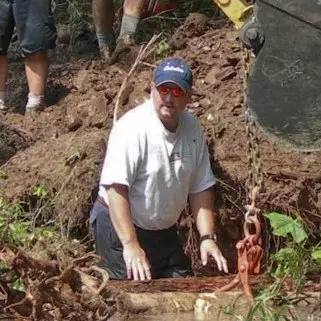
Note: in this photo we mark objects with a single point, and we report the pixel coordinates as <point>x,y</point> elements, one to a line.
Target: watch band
<point>208,237</point>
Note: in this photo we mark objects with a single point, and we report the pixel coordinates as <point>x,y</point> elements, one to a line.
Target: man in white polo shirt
<point>157,159</point>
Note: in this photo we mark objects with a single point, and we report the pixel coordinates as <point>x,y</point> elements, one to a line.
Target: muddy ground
<point>63,147</point>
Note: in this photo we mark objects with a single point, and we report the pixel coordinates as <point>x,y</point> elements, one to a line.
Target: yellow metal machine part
<point>236,10</point>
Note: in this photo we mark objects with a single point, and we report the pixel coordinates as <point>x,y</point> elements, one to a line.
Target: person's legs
<point>6,30</point>
<point>3,71</point>
<point>133,7</point>
<point>103,15</point>
<point>37,68</point>
<point>3,79</point>
<point>163,248</point>
<point>37,34</point>
<point>107,243</point>
<point>131,16</point>
<point>165,253</point>
<point>178,265</point>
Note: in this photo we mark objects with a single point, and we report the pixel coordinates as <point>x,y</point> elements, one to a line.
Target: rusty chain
<point>249,249</point>
<point>254,176</point>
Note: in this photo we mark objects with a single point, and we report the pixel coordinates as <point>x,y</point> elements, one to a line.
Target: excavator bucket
<point>284,84</point>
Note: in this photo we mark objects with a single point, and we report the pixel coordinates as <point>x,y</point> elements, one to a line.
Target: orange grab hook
<point>249,255</point>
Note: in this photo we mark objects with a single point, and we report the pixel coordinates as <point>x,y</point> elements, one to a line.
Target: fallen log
<point>186,285</point>
<point>200,304</point>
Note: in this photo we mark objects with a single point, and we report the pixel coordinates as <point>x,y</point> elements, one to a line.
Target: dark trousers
<point>163,248</point>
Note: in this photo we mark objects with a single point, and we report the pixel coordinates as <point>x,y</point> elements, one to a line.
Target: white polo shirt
<point>160,168</point>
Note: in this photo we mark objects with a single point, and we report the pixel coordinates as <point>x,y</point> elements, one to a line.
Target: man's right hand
<point>136,262</point>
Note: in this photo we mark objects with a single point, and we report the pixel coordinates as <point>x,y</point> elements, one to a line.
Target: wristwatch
<point>208,237</point>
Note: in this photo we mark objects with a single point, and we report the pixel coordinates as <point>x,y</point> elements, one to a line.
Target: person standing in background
<point>104,14</point>
<point>36,32</point>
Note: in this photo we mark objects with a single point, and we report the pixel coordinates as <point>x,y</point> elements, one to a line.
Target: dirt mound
<point>69,136</point>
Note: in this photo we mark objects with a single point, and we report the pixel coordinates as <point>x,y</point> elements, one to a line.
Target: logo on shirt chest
<point>176,156</point>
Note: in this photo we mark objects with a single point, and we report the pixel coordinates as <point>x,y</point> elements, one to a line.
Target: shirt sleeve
<point>203,177</point>
<point>122,157</point>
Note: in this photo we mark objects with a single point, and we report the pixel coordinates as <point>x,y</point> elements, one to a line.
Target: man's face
<point>169,101</point>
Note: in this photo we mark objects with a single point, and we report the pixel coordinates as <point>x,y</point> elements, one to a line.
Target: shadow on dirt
<point>55,92</point>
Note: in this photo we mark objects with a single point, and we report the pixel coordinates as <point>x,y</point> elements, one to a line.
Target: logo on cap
<point>174,70</point>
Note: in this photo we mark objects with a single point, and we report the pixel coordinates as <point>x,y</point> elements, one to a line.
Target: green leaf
<point>285,258</point>
<point>40,191</point>
<point>283,225</point>
<point>316,254</point>
<point>3,175</point>
<point>47,234</point>
<point>284,254</point>
<point>162,49</point>
<point>18,285</point>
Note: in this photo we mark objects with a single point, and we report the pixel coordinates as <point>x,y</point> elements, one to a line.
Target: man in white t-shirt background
<point>156,160</point>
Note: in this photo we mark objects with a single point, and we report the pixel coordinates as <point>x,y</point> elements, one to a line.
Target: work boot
<point>123,45</point>
<point>35,103</point>
<point>106,43</point>
<point>106,52</point>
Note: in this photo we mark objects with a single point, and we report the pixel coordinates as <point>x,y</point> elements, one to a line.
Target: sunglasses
<point>177,92</point>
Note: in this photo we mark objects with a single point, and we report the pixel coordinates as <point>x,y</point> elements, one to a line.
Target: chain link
<point>255,177</point>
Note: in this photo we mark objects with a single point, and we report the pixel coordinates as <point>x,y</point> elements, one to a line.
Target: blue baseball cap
<point>174,70</point>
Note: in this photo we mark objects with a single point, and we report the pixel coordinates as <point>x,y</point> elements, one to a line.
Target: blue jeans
<point>34,23</point>
<point>163,248</point>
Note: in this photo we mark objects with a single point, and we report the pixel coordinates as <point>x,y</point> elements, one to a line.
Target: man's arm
<point>202,208</point>
<point>134,256</point>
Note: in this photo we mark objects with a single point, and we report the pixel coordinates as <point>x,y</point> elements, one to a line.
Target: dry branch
<point>54,285</point>
<point>142,54</point>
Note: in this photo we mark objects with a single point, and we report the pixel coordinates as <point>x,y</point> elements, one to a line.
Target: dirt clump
<point>195,25</point>
<point>12,139</point>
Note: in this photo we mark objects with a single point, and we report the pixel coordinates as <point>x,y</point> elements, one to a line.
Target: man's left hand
<point>209,247</point>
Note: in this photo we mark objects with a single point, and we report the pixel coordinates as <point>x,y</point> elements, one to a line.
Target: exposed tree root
<point>56,291</point>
